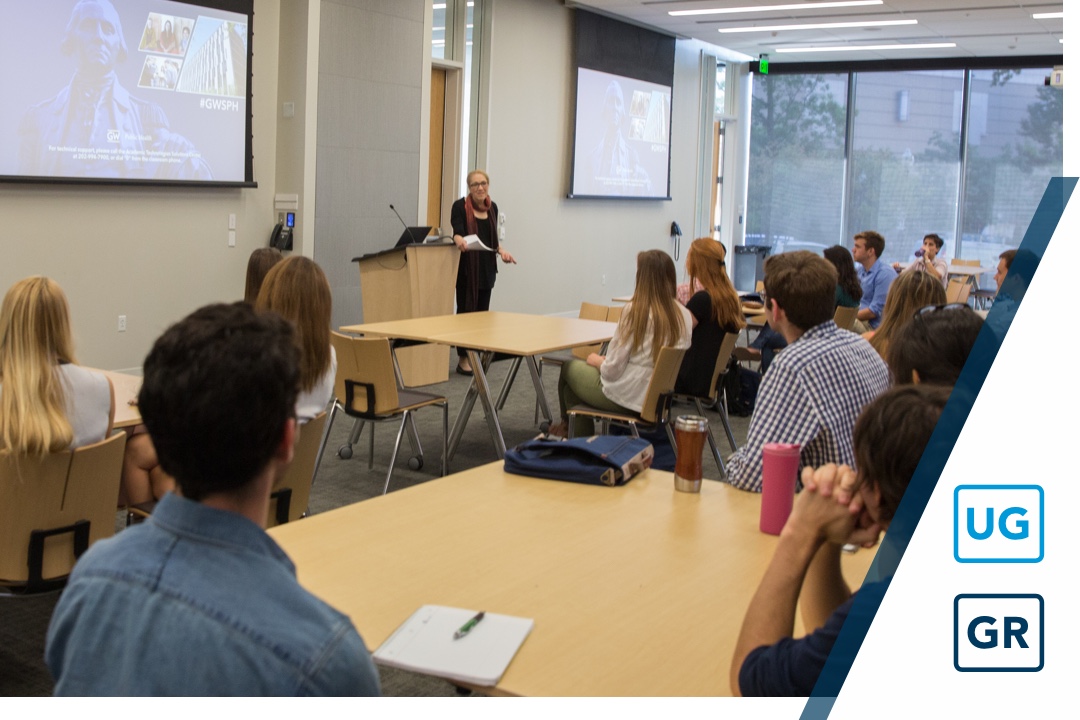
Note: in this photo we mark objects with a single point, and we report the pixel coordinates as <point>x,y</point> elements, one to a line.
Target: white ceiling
<point>980,28</point>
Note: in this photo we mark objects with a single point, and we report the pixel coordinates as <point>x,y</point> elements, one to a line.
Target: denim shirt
<point>199,601</point>
<point>875,287</point>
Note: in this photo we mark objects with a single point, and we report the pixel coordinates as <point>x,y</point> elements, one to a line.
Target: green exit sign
<point>763,64</point>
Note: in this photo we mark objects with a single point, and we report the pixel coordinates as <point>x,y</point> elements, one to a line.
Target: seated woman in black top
<point>715,309</point>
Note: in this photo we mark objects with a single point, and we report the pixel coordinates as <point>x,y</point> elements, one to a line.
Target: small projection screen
<point>622,116</point>
<point>127,92</point>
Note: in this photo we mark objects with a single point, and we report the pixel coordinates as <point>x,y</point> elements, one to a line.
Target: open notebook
<point>425,644</point>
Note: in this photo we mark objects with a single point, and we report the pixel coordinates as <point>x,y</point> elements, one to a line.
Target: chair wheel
<point>345,452</point>
<point>416,462</point>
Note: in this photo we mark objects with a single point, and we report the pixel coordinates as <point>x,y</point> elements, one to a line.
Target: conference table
<point>634,590</point>
<point>489,332</point>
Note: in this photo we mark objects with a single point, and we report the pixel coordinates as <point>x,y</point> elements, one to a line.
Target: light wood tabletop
<point>527,336</point>
<point>511,333</point>
<point>635,590</point>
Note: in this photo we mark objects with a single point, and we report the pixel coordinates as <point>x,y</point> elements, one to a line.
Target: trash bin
<point>749,266</point>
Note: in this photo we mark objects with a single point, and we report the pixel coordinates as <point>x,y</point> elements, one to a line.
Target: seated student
<point>875,278</point>
<point>619,381</point>
<point>260,262</point>
<point>48,403</point>
<point>715,310</point>
<point>934,346</point>
<point>910,292</point>
<point>819,384</point>
<point>686,290</point>
<point>848,293</point>
<point>837,506</point>
<point>198,599</point>
<point>297,290</point>
<point>848,287</point>
<point>929,263</point>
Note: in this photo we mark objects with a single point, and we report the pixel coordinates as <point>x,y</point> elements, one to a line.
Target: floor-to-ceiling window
<point>796,183</point>
<point>962,153</point>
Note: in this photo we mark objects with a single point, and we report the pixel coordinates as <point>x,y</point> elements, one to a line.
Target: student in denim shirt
<point>199,600</point>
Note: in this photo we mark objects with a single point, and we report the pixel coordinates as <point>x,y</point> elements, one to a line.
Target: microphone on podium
<point>403,223</point>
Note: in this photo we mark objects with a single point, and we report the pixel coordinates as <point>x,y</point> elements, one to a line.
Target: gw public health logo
<point>998,524</point>
<point>112,136</point>
<point>998,633</point>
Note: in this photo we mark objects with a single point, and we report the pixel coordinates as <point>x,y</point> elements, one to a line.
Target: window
<point>929,152</point>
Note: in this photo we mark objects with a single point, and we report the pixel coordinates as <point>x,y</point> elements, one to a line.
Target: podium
<point>406,282</point>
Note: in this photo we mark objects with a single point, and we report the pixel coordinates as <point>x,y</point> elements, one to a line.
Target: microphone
<point>403,223</point>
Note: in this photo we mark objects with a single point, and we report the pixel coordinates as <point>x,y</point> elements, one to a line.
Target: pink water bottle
<point>779,470</point>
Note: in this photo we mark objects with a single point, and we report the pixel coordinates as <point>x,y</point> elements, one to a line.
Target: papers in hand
<point>473,242</point>
<point>425,643</point>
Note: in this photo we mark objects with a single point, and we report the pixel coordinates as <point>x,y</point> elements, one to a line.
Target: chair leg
<point>712,441</point>
<point>571,416</point>
<point>445,435</point>
<point>325,437</point>
<point>397,445</point>
<point>371,449</point>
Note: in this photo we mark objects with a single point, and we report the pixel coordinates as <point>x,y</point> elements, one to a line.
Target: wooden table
<point>636,590</point>
<point>489,332</point>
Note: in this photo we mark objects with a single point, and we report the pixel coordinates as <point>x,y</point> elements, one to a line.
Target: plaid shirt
<point>811,396</point>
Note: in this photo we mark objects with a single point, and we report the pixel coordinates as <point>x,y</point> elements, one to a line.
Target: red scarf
<point>472,259</point>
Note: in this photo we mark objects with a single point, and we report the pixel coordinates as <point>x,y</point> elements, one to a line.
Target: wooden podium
<point>412,281</point>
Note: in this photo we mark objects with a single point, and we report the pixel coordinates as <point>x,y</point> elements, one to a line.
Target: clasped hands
<point>831,508</point>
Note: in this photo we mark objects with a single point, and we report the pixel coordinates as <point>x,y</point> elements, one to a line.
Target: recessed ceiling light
<point>819,26</point>
<point>854,48</point>
<point>1048,16</point>
<point>770,8</point>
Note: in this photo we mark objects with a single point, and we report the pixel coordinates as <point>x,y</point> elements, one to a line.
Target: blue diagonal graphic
<point>948,429</point>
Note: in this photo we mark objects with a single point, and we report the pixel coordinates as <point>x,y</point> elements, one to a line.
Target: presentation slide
<point>621,137</point>
<point>131,89</point>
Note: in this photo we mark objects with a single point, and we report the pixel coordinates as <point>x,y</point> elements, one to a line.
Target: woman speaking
<point>475,214</point>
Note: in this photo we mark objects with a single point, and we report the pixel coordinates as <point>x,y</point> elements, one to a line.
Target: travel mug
<point>779,471</point>
<point>689,442</point>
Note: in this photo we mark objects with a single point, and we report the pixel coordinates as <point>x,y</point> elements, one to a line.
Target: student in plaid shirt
<point>819,383</point>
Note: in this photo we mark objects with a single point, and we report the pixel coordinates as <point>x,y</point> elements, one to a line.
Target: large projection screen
<point>126,91</point>
<point>624,75</point>
<point>621,136</point>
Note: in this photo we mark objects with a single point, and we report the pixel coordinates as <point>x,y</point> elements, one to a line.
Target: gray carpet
<point>23,621</point>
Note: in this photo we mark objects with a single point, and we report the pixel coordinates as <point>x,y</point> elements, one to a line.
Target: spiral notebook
<point>425,644</point>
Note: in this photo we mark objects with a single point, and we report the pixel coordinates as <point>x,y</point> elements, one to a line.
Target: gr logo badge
<point>998,633</point>
<point>998,524</point>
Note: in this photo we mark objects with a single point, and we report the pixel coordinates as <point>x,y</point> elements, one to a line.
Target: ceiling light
<point>854,48</point>
<point>1048,16</point>
<point>819,26</point>
<point>770,8</point>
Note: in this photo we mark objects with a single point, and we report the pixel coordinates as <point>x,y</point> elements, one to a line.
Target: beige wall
<point>564,248</point>
<point>153,254</point>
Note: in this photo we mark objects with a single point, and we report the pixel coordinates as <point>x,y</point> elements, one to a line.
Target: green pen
<point>467,627</point>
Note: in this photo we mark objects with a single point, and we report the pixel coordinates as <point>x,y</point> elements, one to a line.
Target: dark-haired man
<point>198,600</point>
<point>817,386</point>
<point>874,277</point>
<point>836,506</point>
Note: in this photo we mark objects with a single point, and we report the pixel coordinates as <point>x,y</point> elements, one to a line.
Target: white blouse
<point>624,375</point>
<point>310,403</point>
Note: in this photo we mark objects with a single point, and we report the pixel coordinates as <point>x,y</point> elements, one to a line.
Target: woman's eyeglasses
<point>478,184</point>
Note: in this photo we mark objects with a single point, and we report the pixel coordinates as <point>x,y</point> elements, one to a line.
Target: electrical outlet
<point>232,221</point>
<point>121,323</point>
<point>603,279</point>
<point>232,238</point>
